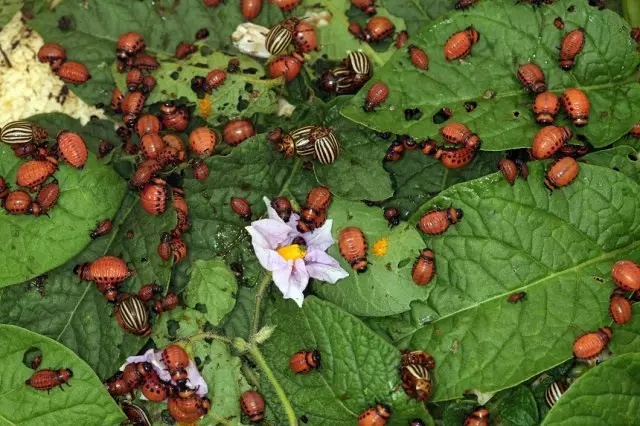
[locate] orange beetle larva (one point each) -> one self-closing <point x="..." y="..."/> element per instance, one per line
<point x="435" y="222"/>
<point x="532" y="78"/>
<point x="549" y="140"/>
<point x="561" y="173"/>
<point x="353" y="247"/>
<point x="591" y="344"/>
<point x="459" y="44"/>
<point x="545" y="107"/>
<point x="576" y="104"/>
<point x="571" y="46"/>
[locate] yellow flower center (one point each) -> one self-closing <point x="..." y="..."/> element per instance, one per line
<point x="380" y="247"/>
<point x="292" y="252"/>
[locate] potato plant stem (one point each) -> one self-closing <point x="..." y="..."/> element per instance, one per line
<point x="262" y="363"/>
<point x="262" y="287"/>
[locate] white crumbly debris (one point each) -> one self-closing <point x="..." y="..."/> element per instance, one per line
<point x="28" y="87"/>
<point x="284" y="108"/>
<point x="319" y="18"/>
<point x="249" y="39"/>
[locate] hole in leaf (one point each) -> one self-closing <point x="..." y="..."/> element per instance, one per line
<point x="144" y="260"/>
<point x="201" y="307"/>
<point x="441" y="116"/>
<point x="32" y="357"/>
<point x="599" y="279"/>
<point x="205" y="50"/>
<point x="571" y="8"/>
<point x="237" y="269"/>
<point x="616" y="169"/>
<point x="403" y="263"/>
<point x="633" y="156"/>
<point x="65" y="23"/>
<point x="470" y="106"/>
<point x="172" y="327"/>
<point x="304" y="419"/>
<point x="388" y="266"/>
<point x="249" y="71"/>
<point x="516" y="114"/>
<point x="558" y="23"/>
<point x="174" y="75"/>
<point x="242" y="104"/>
<point x="412" y="114"/>
<point x="248" y="88"/>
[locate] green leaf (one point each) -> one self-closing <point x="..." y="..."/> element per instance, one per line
<point x="86" y="196"/>
<point x="418" y="13"/>
<point x="241" y="95"/>
<point x="213" y="285"/>
<point x="81" y="403"/>
<point x="396" y="329"/>
<point x="73" y="312"/>
<point x="418" y="177"/>
<point x="628" y="335"/>
<point x="621" y="158"/>
<point x="238" y="322"/>
<point x="358" y="173"/>
<point x="8" y="8"/>
<point x="96" y="27"/>
<point x="456" y="413"/>
<point x="557" y="247"/>
<point x="515" y="407"/>
<point x="357" y="368"/>
<point x="604" y="71"/>
<point x="386" y="288"/>
<point x="606" y="395"/>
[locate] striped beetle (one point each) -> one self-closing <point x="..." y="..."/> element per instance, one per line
<point x="132" y="315"/>
<point x="325" y="145"/>
<point x="280" y="36"/>
<point x="360" y="64"/>
<point x="20" y="131"/>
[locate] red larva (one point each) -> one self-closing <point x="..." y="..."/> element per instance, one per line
<point x="545" y="107"/>
<point x="237" y="131"/>
<point x="619" y="308"/>
<point x="283" y="208"/>
<point x="375" y="416"/>
<point x="509" y="170"/>
<point x="106" y="270"/>
<point x="153" y="388"/>
<point x="144" y="173"/>
<point x="418" y="57"/>
<point x="200" y="170"/>
<point x="286" y="5"/>
<point x="148" y="292"/>
<point x="148" y="83"/>
<point x="353" y="248"/>
<point x="74" y="72"/>
<point x="49" y="379"/>
<point x="212" y="3"/>
<point x="479" y="417"/>
<point x="252" y="404"/>
<point x="356" y="30"/>
<point x="179" y="202"/>
<point x="635" y="131"/>
<point x="571" y="46"/>
<point x="175" y="357"/>
<point x="146" y="62"/>
<point x="305" y="38"/>
<point x="72" y="148"/>
<point x="378" y="28"/>
<point x="626" y="275"/>
<point x="164" y="247"/>
<point x="423" y="268"/>
<point x="102" y="229"/>
<point x="401" y="39"/>
<point x="214" y="79"/>
<point x="455" y="158"/>
<point x="151" y="145"/>
<point x="48" y="196"/>
<point x="241" y="207"/>
<point x="517" y="297"/>
<point x="377" y="94"/>
<point x="250" y="8"/>
<point x="169" y="302"/>
<point x="549" y="140"/>
<point x="116" y="100"/>
<point x="50" y="53"/>
<point x="589" y="345"/>
<point x="561" y="173"/>
<point x="458" y="133"/>
<point x="459" y="44"/>
<point x="576" y="104"/>
<point x="286" y="66"/>
<point x="18" y="202"/>
<point x="33" y="173"/>
<point x="185" y="49"/>
<point x="177" y="120"/>
<point x="135" y="372"/>
<point x="134" y="79"/>
<point x="117" y="386"/>
<point x="304" y="361"/>
<point x="129" y="44"/>
<point x="4" y="188"/>
<point x="178" y="250"/>
<point x="147" y="124"/>
<point x="435" y="222"/>
<point x="532" y="78"/>
<point x="153" y="197"/>
<point x="202" y="141"/>
<point x="133" y="103"/>
<point x="367" y="6"/>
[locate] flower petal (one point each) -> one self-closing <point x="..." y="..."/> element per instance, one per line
<point x="292" y="280"/>
<point x="271" y="212"/>
<point x="323" y="267"/>
<point x="320" y="239"/>
<point x="268" y="258"/>
<point x="196" y="381"/>
<point x="273" y="231"/>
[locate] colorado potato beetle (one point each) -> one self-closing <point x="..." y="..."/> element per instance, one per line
<point x="135" y="414"/>
<point x="153" y="197"/>
<point x="577" y="106"/>
<point x="117" y="386"/>
<point x="200" y="170"/>
<point x="72" y="148"/>
<point x="459" y="44"/>
<point x="178" y="250"/>
<point x="286" y="66"/>
<point x="591" y="344"/>
<point x="561" y="173"/>
<point x="318" y="200"/>
<point x="626" y="275"/>
<point x="132" y="316"/>
<point x="177" y="120"/>
<point x="18" y="202"/>
<point x="554" y="392"/>
<point x="237" y="131"/>
<point x="509" y="170"/>
<point x="545" y="107"/>
<point x="151" y="146"/>
<point x="135" y="372"/>
<point x="305" y="38"/>
<point x="154" y="389"/>
<point x="148" y="84"/>
<point x="144" y="173"/>
<point x="129" y="44"/>
<point x="116" y="100"/>
<point x="353" y="248"/>
<point x="149" y="291"/>
<point x="282" y="206"/>
<point x="455" y="158"/>
<point x="145" y="61"/>
<point x="19" y="132"/>
<point x="378" y="28"/>
<point x="104" y="270"/>
<point x="48" y="196"/>
<point x="375" y="416"/>
<point x="4" y="188"/>
<point x="516" y="297"/>
<point x="419" y="59"/>
<point x="241" y="207"/>
<point x="377" y="94"/>
<point x="134" y="79"/>
<point x="214" y="79"/>
<point x="417" y="358"/>
<point x="619" y="308"/>
<point x="367" y="6"/>
<point x="73" y="72"/>
<point x="532" y="78"/>
<point x="280" y="36"/>
<point x="286" y="5"/>
<point x="304" y="361"/>
<point x="635" y="131"/>
<point x="571" y="46"/>
<point x="423" y="268"/>
<point x="164" y="248"/>
<point x="436" y="222"/>
<point x="326" y="147"/>
<point x="52" y="53"/>
<point x="250" y="8"/>
<point x="392" y="215"/>
<point x="549" y="140"/>
<point x="360" y="65"/>
<point x="252" y="405"/>
<point x="458" y="133"/>
<point x="49" y="379"/>
<point x="401" y="39"/>
<point x="147" y="124"/>
<point x="184" y="49"/>
<point x="167" y="303"/>
<point x="416" y="381"/>
<point x="175" y="357"/>
<point x="33" y="173"/>
<point x="339" y="81"/>
<point x="479" y="417"/>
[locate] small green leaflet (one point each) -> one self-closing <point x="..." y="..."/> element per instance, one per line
<point x="213" y="285"/>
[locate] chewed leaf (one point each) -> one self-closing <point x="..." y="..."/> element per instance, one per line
<point x="213" y="285"/>
<point x="86" y="196"/>
<point x="84" y="401"/>
<point x="509" y="36"/>
<point x="558" y="248"/>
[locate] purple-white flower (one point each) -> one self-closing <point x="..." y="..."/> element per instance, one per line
<point x="279" y="249"/>
<point x="194" y="379"/>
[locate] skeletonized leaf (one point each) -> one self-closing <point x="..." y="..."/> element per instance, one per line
<point x="82" y="403"/>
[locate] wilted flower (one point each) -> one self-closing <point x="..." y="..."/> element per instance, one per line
<point x="194" y="379"/>
<point x="294" y="257"/>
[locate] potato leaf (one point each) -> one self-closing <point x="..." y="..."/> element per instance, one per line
<point x="510" y="34"/>
<point x="84" y="401"/>
<point x="558" y="248"/>
<point x="213" y="285"/>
